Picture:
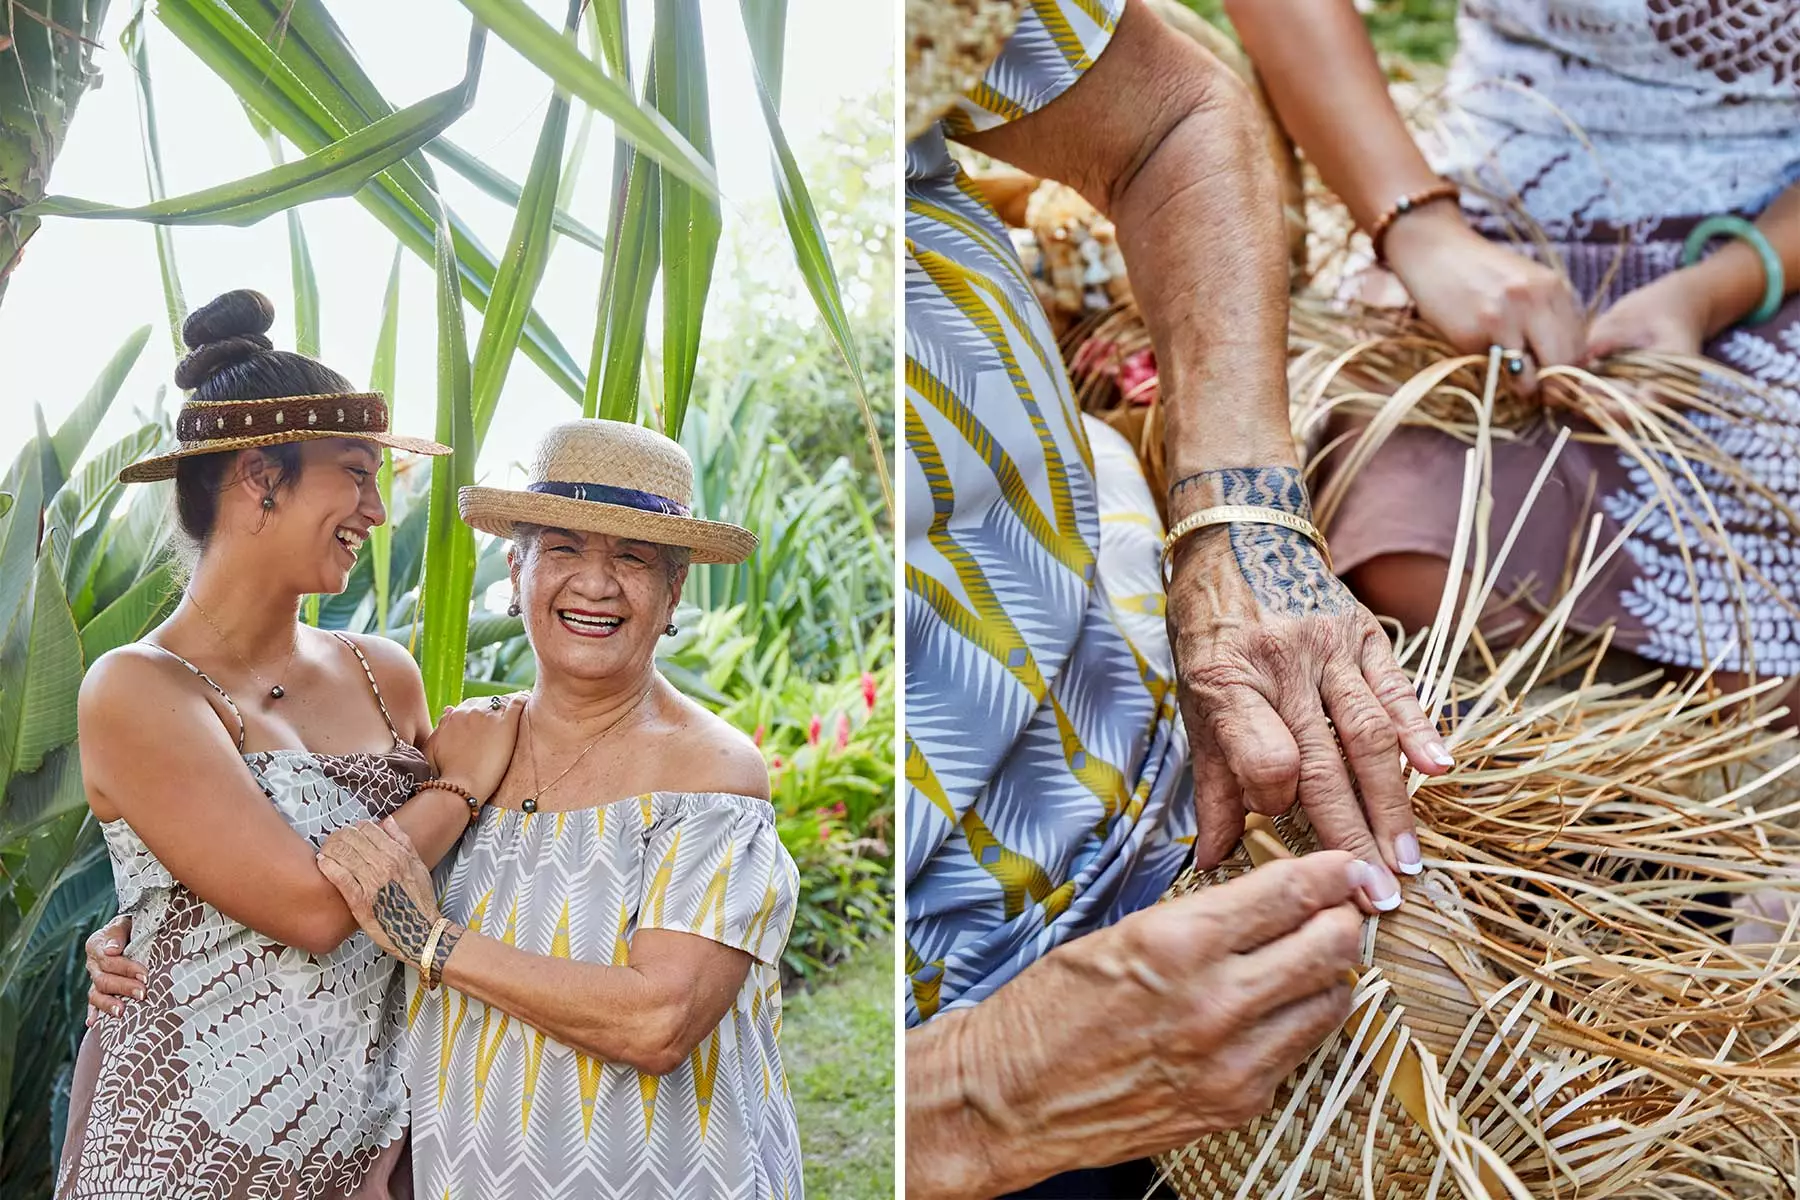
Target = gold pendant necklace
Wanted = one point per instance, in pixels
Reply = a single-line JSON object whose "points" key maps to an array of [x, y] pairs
{"points": [[530, 803], [277, 691]]}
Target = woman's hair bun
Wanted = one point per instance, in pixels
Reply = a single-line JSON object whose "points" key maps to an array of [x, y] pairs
{"points": [[227, 330]]}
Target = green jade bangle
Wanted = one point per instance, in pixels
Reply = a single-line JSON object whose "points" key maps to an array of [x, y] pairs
{"points": [[1744, 231]]}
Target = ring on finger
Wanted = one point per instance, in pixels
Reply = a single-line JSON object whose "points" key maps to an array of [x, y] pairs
{"points": [[1514, 361], [496, 703]]}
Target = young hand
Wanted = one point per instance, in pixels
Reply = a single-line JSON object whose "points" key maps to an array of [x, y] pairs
{"points": [[1479, 294], [115, 978], [473, 743], [387, 888], [1668, 315]]}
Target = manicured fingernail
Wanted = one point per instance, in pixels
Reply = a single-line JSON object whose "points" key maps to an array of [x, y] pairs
{"points": [[1438, 753], [1406, 853], [1382, 889], [138, 992]]}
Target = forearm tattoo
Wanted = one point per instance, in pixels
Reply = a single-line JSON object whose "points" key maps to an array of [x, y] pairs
{"points": [[446, 943], [1284, 569], [405, 926]]}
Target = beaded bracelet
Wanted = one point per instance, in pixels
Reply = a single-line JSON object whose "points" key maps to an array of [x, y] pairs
{"points": [[1775, 289], [1443, 189], [474, 802]]}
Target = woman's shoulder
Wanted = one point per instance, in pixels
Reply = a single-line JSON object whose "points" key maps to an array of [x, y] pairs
{"points": [[709, 755], [397, 677], [138, 671]]}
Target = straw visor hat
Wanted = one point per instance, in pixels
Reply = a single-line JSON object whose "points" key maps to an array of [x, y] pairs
{"points": [[609, 477], [218, 427]]}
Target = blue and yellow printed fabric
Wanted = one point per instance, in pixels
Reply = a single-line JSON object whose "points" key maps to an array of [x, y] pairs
{"points": [[1044, 752]]}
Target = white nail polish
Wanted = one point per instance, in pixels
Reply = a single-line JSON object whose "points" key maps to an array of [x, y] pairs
{"points": [[1439, 755], [1406, 854]]}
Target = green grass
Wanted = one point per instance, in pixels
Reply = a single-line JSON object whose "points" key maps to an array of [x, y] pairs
{"points": [[837, 1042]]}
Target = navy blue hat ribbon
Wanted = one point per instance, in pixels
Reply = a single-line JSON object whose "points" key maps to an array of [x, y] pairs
{"points": [[605, 493]]}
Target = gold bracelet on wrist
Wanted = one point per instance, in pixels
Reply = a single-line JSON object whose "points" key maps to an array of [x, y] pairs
{"points": [[427, 975], [1240, 514], [474, 802]]}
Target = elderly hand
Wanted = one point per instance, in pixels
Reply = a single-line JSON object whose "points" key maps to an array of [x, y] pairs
{"points": [[473, 743], [1272, 652], [1179, 1021], [112, 975], [387, 887], [1479, 294]]}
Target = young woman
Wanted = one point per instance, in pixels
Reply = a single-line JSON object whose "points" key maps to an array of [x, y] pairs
{"points": [[609, 935], [259, 1053]]}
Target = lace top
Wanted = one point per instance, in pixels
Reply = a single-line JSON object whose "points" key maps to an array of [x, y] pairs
{"points": [[501, 1109], [250, 1068]]}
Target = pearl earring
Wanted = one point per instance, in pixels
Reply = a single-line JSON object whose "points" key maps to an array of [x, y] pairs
{"points": [[269, 503], [513, 609], [670, 630]]}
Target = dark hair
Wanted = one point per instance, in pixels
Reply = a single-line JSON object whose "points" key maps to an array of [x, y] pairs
{"points": [[230, 357]]}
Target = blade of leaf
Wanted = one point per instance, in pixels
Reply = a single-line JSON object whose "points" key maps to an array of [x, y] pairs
{"points": [[399, 197], [763, 20], [78, 427], [626, 280], [337, 169], [449, 544], [522, 265], [494, 184], [690, 219], [568, 68], [381, 379], [136, 48]]}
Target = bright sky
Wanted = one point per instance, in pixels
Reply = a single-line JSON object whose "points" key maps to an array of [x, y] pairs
{"points": [[85, 285]]}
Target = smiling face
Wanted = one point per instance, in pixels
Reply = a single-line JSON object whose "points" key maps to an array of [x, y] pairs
{"points": [[593, 604], [321, 517]]}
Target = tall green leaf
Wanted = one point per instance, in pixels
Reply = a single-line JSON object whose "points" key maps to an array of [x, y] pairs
{"points": [[337, 169], [449, 544], [78, 427], [690, 219], [381, 379], [493, 183], [764, 22], [557, 57], [522, 265], [138, 52], [134, 614], [260, 65]]}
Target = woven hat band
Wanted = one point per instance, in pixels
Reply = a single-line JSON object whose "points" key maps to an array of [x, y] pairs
{"points": [[354, 415], [605, 493]]}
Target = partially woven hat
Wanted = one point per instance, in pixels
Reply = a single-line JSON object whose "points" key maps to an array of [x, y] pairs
{"points": [[609, 477], [949, 46]]}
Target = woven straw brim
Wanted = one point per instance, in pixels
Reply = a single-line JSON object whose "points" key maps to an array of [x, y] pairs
{"points": [[163, 466], [499, 510]]}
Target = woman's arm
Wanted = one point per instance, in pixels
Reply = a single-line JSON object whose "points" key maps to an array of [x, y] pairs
{"points": [[154, 752], [651, 1013], [1319, 68]]}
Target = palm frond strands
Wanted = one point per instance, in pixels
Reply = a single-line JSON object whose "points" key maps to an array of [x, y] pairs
{"points": [[1581, 996]]}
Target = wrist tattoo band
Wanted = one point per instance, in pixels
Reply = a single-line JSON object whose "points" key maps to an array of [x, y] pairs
{"points": [[1235, 514], [1280, 553]]}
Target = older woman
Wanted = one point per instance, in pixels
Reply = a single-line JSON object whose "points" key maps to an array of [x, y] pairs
{"points": [[598, 1004]]}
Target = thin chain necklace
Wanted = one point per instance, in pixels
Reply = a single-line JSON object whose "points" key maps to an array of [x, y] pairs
{"points": [[530, 803], [277, 691]]}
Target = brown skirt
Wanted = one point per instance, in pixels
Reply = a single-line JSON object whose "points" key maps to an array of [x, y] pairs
{"points": [[1405, 499]]}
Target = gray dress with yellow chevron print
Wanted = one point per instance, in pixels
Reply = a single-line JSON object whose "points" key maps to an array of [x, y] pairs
{"points": [[1044, 754], [499, 1110]]}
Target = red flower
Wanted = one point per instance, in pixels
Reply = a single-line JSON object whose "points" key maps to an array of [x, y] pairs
{"points": [[843, 731], [868, 690], [775, 764], [757, 737], [1137, 377], [824, 833], [838, 809], [813, 730]]}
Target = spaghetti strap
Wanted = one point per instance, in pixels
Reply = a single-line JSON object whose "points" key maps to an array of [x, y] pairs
{"points": [[223, 694], [373, 686]]}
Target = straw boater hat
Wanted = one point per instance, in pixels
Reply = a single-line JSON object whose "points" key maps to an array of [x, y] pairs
{"points": [[223, 426], [609, 477]]}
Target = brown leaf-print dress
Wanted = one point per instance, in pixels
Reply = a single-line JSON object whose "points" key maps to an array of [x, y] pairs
{"points": [[250, 1069]]}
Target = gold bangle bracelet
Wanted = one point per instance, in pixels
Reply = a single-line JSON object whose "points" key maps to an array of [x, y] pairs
{"points": [[1241, 514], [426, 975]]}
